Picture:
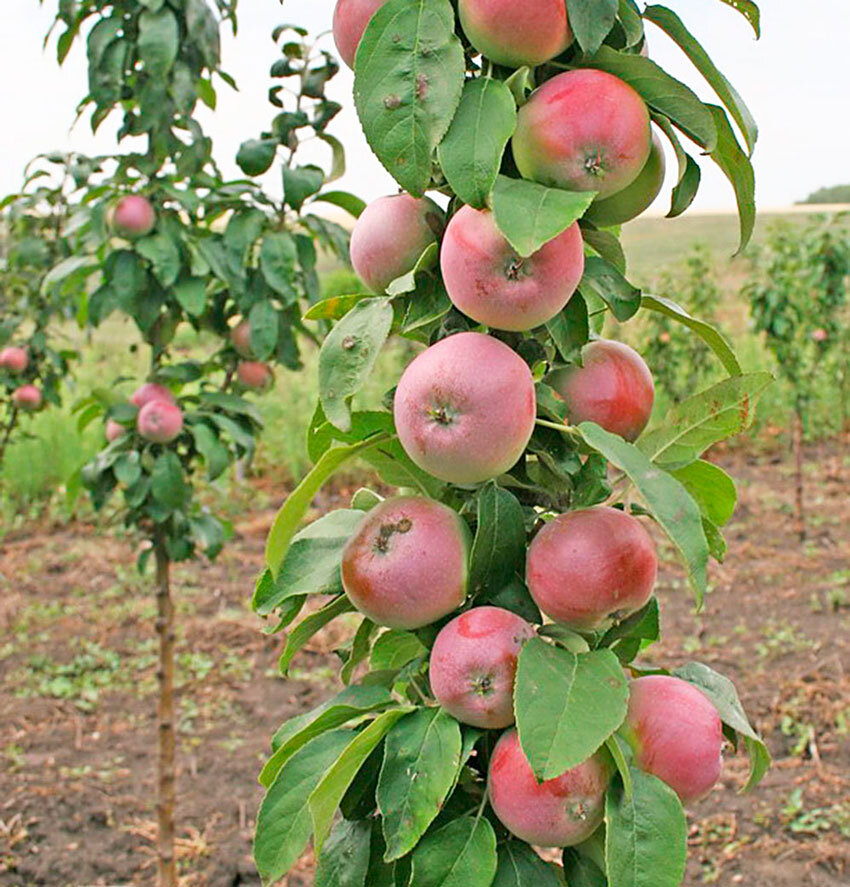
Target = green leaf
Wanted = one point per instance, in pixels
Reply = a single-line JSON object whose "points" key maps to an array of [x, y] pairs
{"points": [[301, 182], [643, 625], [672, 25], [344, 860], [520, 866], [570, 330], [326, 796], [215, 454], [712, 488], [278, 257], [256, 156], [421, 760], [348, 356], [760, 762], [460, 854], [581, 871], [310, 626], [353, 205], [471, 152], [351, 703], [737, 167], [283, 823], [263, 322], [606, 245], [360, 647], [705, 419], [668, 501], [498, 550], [407, 85], [604, 281], [167, 483], [617, 748], [661, 92], [158, 41], [591, 21], [161, 251], [335, 307], [714, 339], [686, 189], [191, 295], [646, 835], [530, 215], [566, 705], [749, 10], [312, 562], [394, 649]]}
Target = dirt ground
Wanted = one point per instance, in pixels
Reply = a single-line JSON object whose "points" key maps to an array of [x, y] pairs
{"points": [[77, 683]]}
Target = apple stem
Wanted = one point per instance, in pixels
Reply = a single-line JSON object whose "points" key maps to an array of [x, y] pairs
{"points": [[565, 429]]}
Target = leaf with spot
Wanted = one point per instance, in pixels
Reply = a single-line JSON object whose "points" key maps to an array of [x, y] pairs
{"points": [[421, 760], [471, 152], [348, 355], [407, 85], [566, 705], [344, 860]]}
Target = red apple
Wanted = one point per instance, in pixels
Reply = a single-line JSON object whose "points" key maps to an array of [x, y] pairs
{"points": [[516, 34], [676, 733], [133, 216], [473, 666], [390, 236], [27, 398], [150, 392], [14, 359], [612, 388], [586, 568], [240, 336], [559, 812], [350, 20], [465, 408], [114, 430], [406, 565], [489, 282], [584, 130], [253, 374], [160, 421]]}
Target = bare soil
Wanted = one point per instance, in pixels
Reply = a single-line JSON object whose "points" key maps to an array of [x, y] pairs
{"points": [[77, 685]]}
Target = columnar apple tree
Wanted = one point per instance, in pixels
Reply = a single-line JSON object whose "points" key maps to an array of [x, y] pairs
{"points": [[34, 361], [171, 245], [496, 701]]}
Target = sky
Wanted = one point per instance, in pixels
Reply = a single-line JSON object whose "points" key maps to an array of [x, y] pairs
{"points": [[798, 88]]}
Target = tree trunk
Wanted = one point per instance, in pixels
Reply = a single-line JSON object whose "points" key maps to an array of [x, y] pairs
{"points": [[166, 793], [798, 459], [7, 431]]}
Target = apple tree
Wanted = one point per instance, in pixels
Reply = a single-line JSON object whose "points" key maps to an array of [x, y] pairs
{"points": [[494, 699]]}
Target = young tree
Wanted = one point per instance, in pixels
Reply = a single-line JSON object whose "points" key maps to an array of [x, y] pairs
{"points": [[167, 242], [511, 580], [797, 294]]}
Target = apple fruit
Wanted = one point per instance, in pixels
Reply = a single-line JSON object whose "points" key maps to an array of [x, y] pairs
{"points": [[240, 337], [407, 563], [473, 666], [586, 568], [133, 216], [489, 282], [559, 812], [160, 421], [516, 34], [612, 388], [253, 374], [149, 392], [350, 20], [676, 734], [465, 408], [390, 236], [584, 130], [114, 430], [14, 359], [634, 199], [27, 398]]}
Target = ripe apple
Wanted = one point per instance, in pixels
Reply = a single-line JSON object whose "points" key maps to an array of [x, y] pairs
{"points": [[588, 567], [150, 392], [133, 216], [350, 20], [473, 666], [559, 812], [465, 408], [114, 430], [584, 130], [406, 565], [612, 388], [27, 398], [160, 421], [634, 199], [240, 337], [14, 359], [253, 374], [516, 34], [390, 236], [489, 282], [676, 733]]}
